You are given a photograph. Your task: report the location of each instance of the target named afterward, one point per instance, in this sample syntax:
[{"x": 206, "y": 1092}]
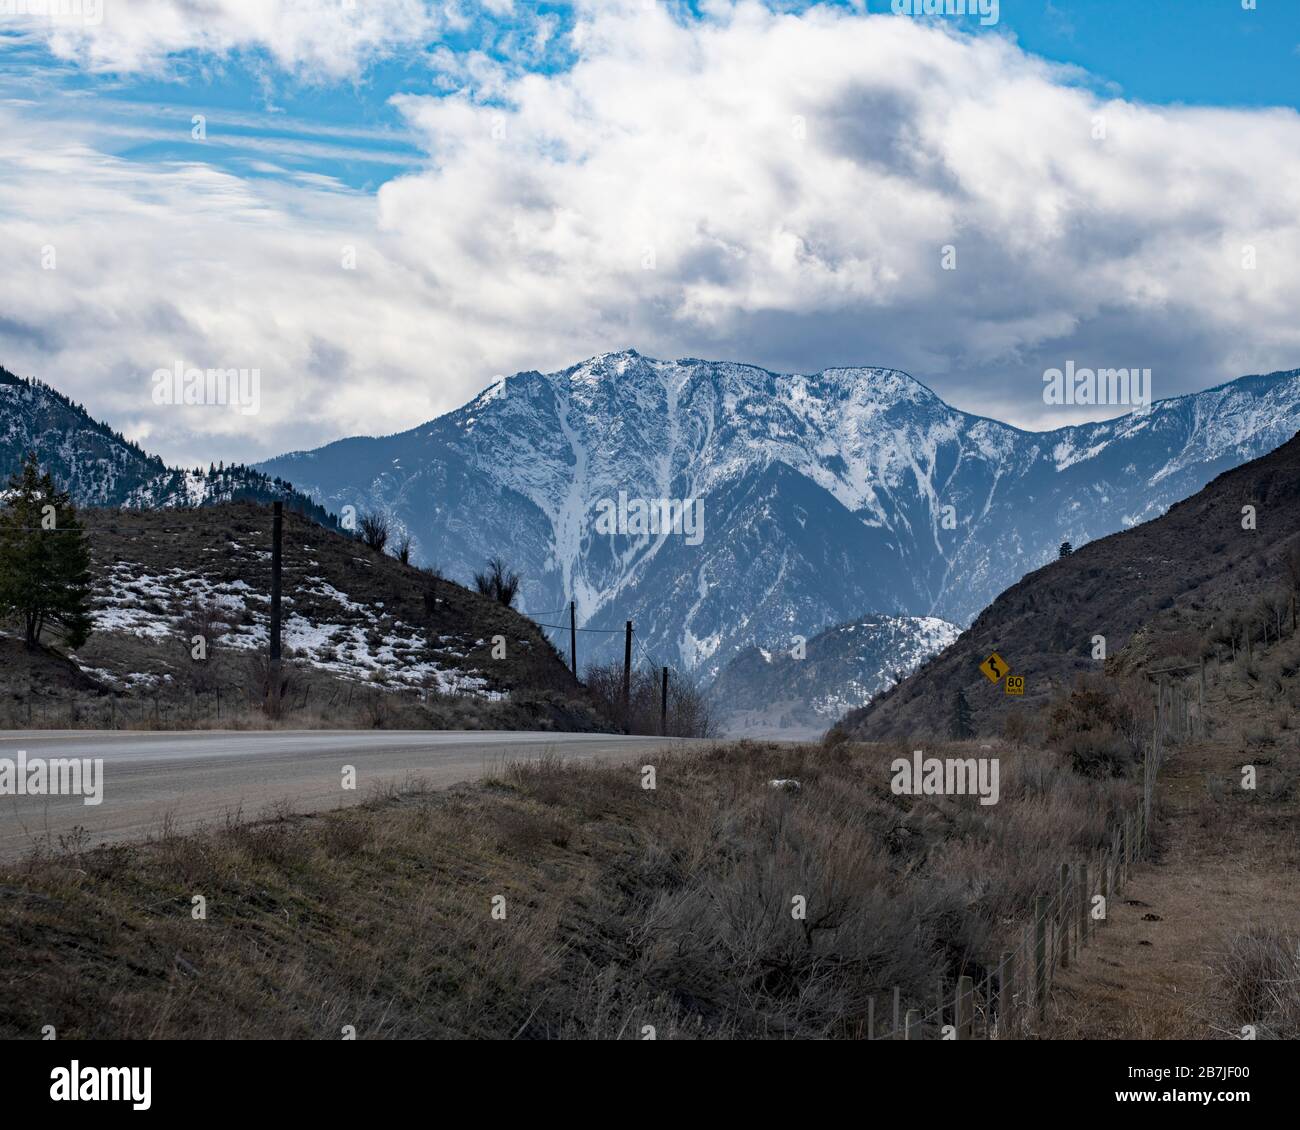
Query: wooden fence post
[
  {"x": 1104, "y": 867},
  {"x": 1027, "y": 973},
  {"x": 1040, "y": 955},
  {"x": 1200, "y": 710},
  {"x": 1006, "y": 994},
  {"x": 1083, "y": 903},
  {"x": 965, "y": 1007},
  {"x": 1063, "y": 918},
  {"x": 871, "y": 1017},
  {"x": 913, "y": 1024},
  {"x": 893, "y": 1035}
]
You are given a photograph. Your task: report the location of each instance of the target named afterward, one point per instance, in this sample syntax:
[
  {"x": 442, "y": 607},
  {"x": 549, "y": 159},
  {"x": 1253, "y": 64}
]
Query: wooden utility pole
[
  {"x": 627, "y": 675},
  {"x": 277, "y": 541},
  {"x": 663, "y": 707},
  {"x": 573, "y": 638}
]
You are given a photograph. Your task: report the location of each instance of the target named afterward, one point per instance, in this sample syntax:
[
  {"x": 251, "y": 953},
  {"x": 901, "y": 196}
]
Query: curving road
[{"x": 196, "y": 776}]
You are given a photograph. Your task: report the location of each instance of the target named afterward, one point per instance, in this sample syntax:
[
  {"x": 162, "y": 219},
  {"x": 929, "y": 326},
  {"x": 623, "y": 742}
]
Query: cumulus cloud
[{"x": 757, "y": 185}]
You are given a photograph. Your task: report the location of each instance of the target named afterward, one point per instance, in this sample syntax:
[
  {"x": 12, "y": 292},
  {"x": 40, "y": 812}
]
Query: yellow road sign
[
  {"x": 1015, "y": 684},
  {"x": 994, "y": 667}
]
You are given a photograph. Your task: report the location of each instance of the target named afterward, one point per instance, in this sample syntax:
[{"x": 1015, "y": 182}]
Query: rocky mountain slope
[
  {"x": 1220, "y": 567},
  {"x": 823, "y": 494},
  {"x": 102, "y": 468},
  {"x": 787, "y": 687}
]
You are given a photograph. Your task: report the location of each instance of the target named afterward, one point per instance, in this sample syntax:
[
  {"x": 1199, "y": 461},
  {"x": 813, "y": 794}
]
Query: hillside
[
  {"x": 1173, "y": 588},
  {"x": 365, "y": 637},
  {"x": 100, "y": 467},
  {"x": 823, "y": 494},
  {"x": 776, "y": 689}
]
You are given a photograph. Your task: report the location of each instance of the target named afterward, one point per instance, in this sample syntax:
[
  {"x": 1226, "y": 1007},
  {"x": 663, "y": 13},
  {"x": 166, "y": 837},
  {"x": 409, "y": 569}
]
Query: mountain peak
[{"x": 825, "y": 495}]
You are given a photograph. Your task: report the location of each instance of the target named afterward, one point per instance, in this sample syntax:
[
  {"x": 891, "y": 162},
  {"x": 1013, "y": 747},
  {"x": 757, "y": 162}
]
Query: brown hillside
[
  {"x": 1178, "y": 576},
  {"x": 361, "y": 632}
]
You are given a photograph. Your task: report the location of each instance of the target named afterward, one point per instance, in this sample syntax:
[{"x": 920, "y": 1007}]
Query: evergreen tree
[
  {"x": 44, "y": 559},
  {"x": 1066, "y": 549},
  {"x": 962, "y": 725}
]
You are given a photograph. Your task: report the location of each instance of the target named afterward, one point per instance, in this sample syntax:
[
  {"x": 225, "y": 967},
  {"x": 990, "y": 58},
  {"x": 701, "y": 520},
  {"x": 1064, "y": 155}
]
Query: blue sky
[
  {"x": 521, "y": 186},
  {"x": 1200, "y": 52}
]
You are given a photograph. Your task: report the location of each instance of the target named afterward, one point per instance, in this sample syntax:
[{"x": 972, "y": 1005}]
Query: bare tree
[
  {"x": 690, "y": 713},
  {"x": 498, "y": 582},
  {"x": 201, "y": 629},
  {"x": 403, "y": 551},
  {"x": 374, "y": 530}
]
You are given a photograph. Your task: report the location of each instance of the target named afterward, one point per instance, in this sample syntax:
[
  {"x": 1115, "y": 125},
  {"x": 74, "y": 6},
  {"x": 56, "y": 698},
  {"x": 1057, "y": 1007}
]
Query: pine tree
[
  {"x": 44, "y": 559},
  {"x": 963, "y": 722},
  {"x": 1066, "y": 549}
]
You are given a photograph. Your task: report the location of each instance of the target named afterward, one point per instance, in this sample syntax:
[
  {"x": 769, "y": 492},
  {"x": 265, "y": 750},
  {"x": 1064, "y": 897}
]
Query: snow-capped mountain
[
  {"x": 100, "y": 467},
  {"x": 810, "y": 684},
  {"x": 824, "y": 495}
]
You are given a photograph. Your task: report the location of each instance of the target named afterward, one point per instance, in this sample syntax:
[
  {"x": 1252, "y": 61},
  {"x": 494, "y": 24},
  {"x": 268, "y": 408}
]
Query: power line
[{"x": 602, "y": 631}]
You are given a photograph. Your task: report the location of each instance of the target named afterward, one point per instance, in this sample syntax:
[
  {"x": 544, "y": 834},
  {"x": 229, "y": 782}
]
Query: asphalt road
[{"x": 191, "y": 777}]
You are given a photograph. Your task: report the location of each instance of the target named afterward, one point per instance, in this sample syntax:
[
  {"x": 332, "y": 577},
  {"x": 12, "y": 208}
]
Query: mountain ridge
[
  {"x": 827, "y": 496},
  {"x": 101, "y": 467},
  {"x": 874, "y": 452}
]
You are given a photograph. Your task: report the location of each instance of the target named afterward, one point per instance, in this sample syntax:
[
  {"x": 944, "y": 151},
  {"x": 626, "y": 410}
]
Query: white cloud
[
  {"x": 327, "y": 38},
  {"x": 792, "y": 179}
]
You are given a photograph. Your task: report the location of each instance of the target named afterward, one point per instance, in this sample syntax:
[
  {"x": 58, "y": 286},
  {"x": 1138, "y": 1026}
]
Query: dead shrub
[
  {"x": 1260, "y": 974},
  {"x": 1098, "y": 725}
]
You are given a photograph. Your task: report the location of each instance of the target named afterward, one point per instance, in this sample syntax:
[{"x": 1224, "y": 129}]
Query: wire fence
[{"x": 1010, "y": 1000}]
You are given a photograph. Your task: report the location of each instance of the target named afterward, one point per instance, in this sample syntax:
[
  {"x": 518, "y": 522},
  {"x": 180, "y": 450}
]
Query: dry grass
[
  {"x": 625, "y": 907},
  {"x": 1260, "y": 975},
  {"x": 1204, "y": 941}
]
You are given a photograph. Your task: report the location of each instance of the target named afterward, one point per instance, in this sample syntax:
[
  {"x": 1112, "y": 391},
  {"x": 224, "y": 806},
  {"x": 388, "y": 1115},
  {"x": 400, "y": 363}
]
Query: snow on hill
[{"x": 161, "y": 578}]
